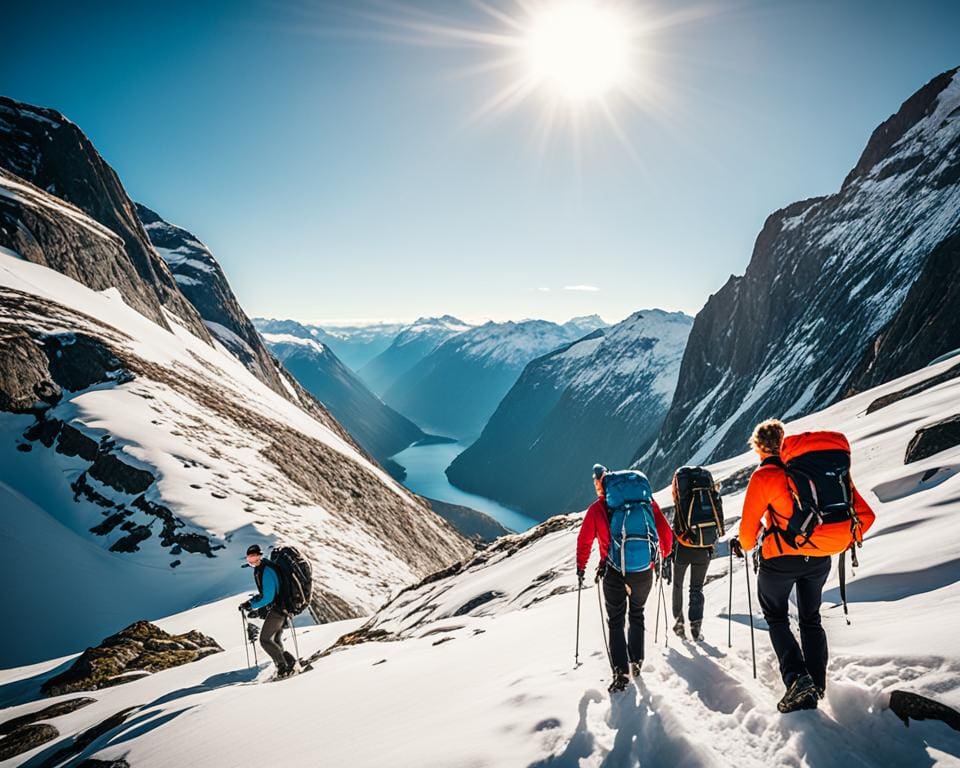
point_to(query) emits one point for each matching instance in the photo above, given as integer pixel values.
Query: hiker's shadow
(581, 744)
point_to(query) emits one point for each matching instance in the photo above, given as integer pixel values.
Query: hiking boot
(695, 632)
(679, 630)
(802, 694)
(635, 668)
(620, 681)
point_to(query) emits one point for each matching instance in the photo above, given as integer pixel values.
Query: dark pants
(623, 595)
(777, 578)
(271, 638)
(697, 561)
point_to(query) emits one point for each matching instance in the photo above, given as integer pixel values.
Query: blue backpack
(633, 531)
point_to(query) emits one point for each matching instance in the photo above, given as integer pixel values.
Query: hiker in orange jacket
(767, 508)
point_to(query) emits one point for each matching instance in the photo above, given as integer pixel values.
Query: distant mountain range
(354, 345)
(590, 401)
(413, 343)
(455, 389)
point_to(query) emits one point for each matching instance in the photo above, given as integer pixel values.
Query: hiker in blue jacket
(268, 589)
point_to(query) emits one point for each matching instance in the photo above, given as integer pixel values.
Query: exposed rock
(140, 647)
(45, 149)
(47, 713)
(25, 738)
(78, 361)
(119, 475)
(900, 394)
(933, 439)
(201, 279)
(25, 379)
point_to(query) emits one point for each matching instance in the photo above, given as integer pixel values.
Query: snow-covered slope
(413, 343)
(376, 426)
(202, 281)
(592, 401)
(474, 666)
(168, 455)
(842, 292)
(456, 388)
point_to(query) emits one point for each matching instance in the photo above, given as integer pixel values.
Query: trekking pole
(293, 629)
(603, 627)
(666, 634)
(576, 652)
(753, 647)
(243, 624)
(730, 604)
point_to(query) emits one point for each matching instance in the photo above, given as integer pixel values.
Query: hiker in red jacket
(641, 537)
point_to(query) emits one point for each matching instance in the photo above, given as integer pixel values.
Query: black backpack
(818, 466)
(296, 579)
(698, 515)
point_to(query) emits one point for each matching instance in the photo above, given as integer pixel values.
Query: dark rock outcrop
(140, 648)
(202, 281)
(25, 738)
(42, 147)
(842, 292)
(933, 438)
(47, 713)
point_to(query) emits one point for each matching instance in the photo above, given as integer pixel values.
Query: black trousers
(697, 561)
(777, 578)
(623, 595)
(271, 638)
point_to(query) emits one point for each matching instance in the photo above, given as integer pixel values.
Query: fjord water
(425, 465)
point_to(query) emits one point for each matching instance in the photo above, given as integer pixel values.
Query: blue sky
(337, 173)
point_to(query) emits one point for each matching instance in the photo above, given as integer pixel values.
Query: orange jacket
(768, 489)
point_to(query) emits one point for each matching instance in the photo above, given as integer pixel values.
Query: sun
(577, 49)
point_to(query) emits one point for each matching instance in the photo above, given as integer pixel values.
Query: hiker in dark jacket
(624, 592)
(697, 561)
(268, 588)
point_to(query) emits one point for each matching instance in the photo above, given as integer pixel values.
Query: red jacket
(596, 525)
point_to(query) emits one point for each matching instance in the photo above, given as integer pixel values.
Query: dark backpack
(296, 579)
(818, 470)
(633, 530)
(698, 519)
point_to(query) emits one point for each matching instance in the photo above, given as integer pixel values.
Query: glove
(245, 606)
(580, 576)
(601, 570)
(668, 570)
(736, 547)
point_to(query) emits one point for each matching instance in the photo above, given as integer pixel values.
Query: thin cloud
(580, 288)
(543, 289)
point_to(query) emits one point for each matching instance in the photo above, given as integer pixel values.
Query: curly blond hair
(767, 436)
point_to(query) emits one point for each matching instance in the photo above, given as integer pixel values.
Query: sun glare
(577, 66)
(578, 49)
